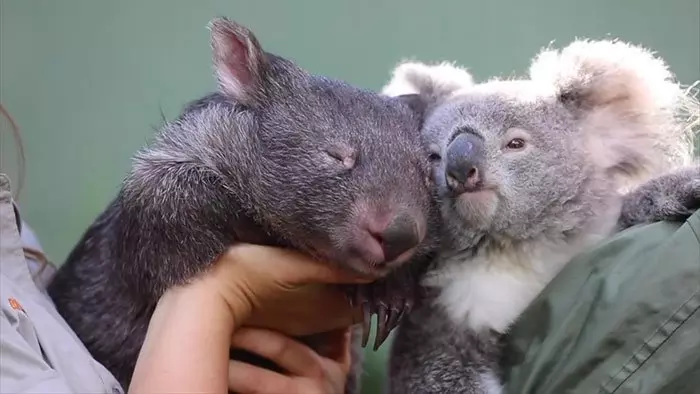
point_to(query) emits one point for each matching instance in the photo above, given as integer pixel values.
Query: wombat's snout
(389, 241)
(464, 161)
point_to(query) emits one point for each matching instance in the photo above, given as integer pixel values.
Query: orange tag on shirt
(15, 304)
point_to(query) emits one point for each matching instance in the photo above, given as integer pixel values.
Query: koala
(530, 172)
(276, 156)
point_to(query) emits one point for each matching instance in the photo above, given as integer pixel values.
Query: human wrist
(186, 347)
(206, 297)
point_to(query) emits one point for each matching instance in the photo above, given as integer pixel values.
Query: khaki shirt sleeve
(39, 353)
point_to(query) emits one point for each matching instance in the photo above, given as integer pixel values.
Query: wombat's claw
(357, 295)
(350, 295)
(388, 321)
(383, 326)
(366, 323)
(380, 299)
(408, 305)
(395, 315)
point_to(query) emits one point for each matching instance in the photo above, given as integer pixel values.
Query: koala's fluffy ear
(632, 112)
(239, 61)
(433, 83)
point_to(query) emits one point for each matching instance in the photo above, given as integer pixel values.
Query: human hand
(248, 283)
(283, 290)
(308, 372)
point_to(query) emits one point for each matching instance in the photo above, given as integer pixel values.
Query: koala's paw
(673, 196)
(390, 298)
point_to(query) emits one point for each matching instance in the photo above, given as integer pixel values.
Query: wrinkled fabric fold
(621, 318)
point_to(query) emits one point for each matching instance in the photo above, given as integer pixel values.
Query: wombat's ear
(239, 61)
(631, 111)
(434, 83)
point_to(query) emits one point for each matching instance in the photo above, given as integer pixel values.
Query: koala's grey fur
(597, 119)
(276, 157)
(673, 196)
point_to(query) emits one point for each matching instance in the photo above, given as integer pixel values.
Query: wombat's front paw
(673, 196)
(390, 298)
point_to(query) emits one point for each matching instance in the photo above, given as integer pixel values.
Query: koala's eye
(434, 153)
(516, 144)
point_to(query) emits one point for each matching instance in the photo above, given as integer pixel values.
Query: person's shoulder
(694, 224)
(636, 290)
(652, 239)
(40, 266)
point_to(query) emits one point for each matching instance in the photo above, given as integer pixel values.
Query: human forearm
(187, 346)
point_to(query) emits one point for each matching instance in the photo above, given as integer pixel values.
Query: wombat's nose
(400, 236)
(463, 161)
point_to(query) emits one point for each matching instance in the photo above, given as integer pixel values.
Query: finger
(307, 270)
(286, 352)
(343, 356)
(301, 269)
(250, 379)
(338, 361)
(307, 310)
(331, 309)
(335, 346)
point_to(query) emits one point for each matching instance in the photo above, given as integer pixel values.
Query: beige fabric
(39, 353)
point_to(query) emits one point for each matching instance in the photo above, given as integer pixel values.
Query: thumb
(294, 267)
(315, 271)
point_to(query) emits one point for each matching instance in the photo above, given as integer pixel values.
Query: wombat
(276, 156)
(531, 172)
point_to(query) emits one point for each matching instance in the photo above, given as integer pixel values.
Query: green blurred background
(86, 80)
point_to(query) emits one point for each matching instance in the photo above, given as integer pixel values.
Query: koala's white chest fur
(490, 290)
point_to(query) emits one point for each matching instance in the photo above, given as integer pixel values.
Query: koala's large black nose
(464, 163)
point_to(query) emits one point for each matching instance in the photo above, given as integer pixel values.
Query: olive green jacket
(622, 318)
